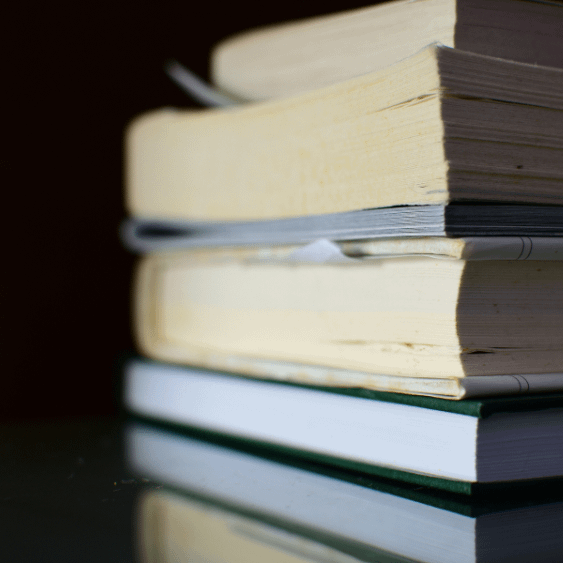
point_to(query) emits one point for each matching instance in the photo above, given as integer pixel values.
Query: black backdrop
(75, 73)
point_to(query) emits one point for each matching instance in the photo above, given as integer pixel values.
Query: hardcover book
(454, 445)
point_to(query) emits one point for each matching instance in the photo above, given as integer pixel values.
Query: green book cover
(481, 409)
(443, 493)
(463, 498)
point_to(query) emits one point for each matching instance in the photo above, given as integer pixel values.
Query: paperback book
(293, 57)
(416, 221)
(438, 127)
(445, 317)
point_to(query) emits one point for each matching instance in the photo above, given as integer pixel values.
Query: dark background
(75, 73)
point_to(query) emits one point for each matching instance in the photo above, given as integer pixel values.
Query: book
(361, 314)
(439, 127)
(287, 59)
(454, 445)
(461, 221)
(365, 518)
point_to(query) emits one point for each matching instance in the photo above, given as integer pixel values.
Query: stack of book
(362, 264)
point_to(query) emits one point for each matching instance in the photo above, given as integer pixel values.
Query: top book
(441, 126)
(288, 59)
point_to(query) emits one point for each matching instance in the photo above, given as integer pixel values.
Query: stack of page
(360, 264)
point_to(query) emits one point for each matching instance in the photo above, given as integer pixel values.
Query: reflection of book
(361, 517)
(440, 126)
(354, 318)
(457, 445)
(173, 528)
(293, 57)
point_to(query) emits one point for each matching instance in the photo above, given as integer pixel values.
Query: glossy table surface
(65, 493)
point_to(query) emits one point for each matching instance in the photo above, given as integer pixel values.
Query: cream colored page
(338, 149)
(350, 317)
(292, 58)
(395, 316)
